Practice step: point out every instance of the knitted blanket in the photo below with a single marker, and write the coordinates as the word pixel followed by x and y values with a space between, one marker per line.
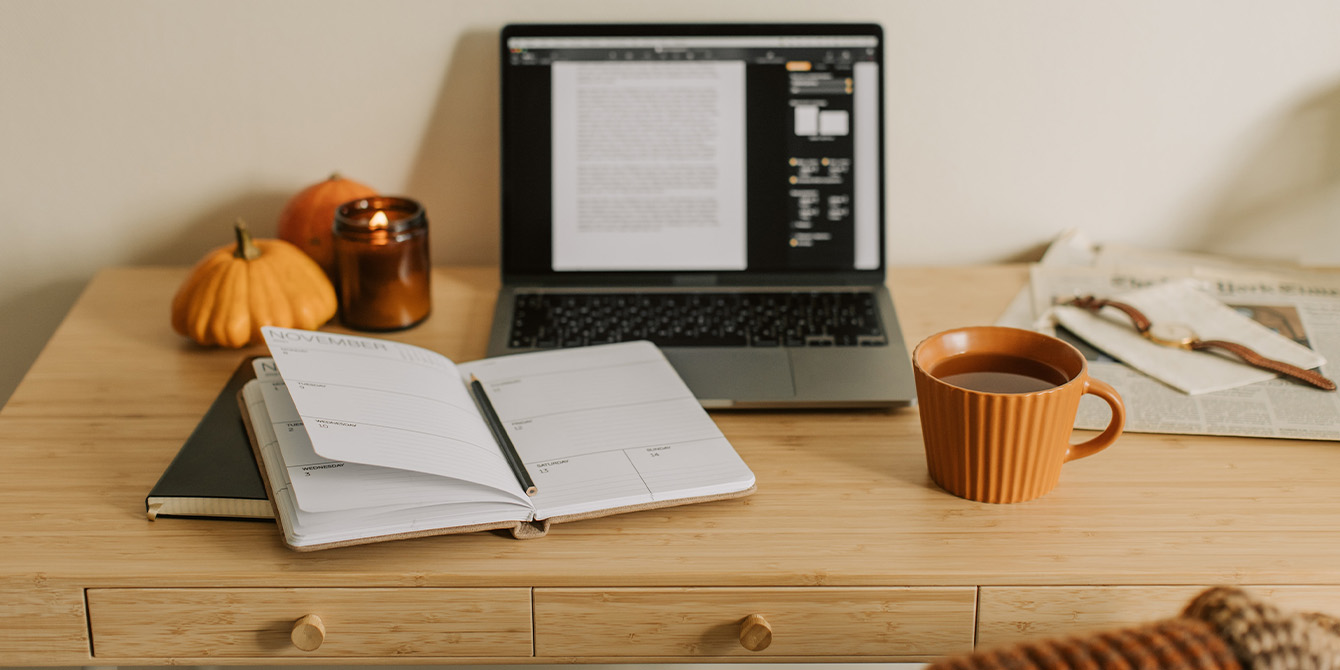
pixel 1221 629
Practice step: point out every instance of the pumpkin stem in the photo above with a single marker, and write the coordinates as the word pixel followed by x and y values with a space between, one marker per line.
pixel 246 249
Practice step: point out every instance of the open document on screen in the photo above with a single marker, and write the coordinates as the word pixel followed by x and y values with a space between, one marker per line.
pixel 715 189
pixel 649 165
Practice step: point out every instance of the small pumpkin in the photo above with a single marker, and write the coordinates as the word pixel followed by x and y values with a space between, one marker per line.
pixel 307 217
pixel 237 288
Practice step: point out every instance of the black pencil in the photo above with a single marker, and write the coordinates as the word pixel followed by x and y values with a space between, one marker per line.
pixel 500 433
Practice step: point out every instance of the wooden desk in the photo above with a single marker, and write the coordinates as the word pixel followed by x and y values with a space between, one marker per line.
pixel 848 550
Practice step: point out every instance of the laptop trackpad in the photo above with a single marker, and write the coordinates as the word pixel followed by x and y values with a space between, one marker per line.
pixel 733 374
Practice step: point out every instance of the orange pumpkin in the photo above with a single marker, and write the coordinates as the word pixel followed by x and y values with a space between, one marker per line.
pixel 237 288
pixel 306 219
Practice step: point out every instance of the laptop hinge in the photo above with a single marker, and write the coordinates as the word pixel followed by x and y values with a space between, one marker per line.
pixel 694 280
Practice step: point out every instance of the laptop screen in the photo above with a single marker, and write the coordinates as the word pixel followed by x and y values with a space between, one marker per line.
pixel 721 149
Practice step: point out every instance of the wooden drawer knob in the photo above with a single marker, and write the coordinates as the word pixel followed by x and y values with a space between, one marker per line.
pixel 755 633
pixel 308 633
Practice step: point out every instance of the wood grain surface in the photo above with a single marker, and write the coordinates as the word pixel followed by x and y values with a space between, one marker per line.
pixel 844 499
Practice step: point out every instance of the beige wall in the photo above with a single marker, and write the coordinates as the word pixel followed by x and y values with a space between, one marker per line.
pixel 135 131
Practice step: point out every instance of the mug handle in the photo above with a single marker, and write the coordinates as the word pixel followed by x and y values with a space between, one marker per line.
pixel 1114 427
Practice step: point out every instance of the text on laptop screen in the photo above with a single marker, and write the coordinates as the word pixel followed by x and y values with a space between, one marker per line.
pixel 714 153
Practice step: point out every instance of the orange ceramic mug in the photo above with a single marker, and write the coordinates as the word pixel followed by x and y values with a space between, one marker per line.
pixel 997 409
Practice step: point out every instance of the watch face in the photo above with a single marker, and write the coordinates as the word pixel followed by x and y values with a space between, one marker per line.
pixel 1174 334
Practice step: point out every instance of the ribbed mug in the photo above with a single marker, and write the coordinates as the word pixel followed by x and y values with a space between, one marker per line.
pixel 997 409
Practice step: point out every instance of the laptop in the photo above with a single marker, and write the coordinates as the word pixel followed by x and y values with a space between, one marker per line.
pixel 717 189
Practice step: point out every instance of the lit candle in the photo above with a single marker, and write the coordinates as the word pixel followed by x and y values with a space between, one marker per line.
pixel 382 263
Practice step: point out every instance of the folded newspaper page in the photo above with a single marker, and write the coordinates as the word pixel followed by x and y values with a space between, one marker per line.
pixel 1298 303
pixel 1183 302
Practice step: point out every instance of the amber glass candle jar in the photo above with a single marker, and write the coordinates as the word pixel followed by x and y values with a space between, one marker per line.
pixel 382 264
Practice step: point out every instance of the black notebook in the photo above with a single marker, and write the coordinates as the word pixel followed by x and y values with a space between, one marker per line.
pixel 214 474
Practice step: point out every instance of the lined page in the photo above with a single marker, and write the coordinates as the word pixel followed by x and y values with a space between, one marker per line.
pixel 388 404
pixel 607 426
pixel 305 529
pixel 321 484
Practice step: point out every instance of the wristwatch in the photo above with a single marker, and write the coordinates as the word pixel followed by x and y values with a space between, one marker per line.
pixel 1182 336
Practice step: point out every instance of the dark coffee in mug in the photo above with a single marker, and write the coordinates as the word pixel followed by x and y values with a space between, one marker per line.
pixel 998 373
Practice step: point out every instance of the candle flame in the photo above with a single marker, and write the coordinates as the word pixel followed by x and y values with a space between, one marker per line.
pixel 378 220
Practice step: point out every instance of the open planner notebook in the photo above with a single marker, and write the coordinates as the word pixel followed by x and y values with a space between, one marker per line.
pixel 364 440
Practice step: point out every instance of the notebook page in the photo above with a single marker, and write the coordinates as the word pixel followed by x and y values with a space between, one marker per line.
pixel 321 485
pixel 304 529
pixel 388 404
pixel 607 426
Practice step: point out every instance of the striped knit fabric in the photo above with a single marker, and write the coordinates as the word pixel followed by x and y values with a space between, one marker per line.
pixel 1222 629
pixel 1175 644
pixel 1264 637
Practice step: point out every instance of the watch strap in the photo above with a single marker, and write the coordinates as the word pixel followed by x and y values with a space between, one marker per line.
pixel 1248 356
pixel 1091 303
pixel 1253 358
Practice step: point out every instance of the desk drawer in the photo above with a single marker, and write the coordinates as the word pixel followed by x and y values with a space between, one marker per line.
pixel 692 622
pixel 160 623
pixel 1014 614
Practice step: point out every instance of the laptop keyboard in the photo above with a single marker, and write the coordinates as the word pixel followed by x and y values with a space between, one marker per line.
pixel 744 319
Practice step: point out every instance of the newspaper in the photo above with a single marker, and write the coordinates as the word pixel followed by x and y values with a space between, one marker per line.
pixel 1301 304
